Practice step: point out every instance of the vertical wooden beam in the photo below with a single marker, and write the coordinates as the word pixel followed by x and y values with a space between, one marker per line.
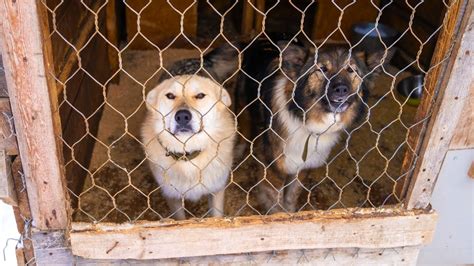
pixel 112 36
pixel 443 123
pixel 260 5
pixel 433 81
pixel 247 17
pixel 27 62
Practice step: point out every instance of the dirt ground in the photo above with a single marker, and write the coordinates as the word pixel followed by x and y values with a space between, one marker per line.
pixel 361 170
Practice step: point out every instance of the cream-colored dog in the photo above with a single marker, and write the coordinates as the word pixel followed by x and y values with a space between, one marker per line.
pixel 189 135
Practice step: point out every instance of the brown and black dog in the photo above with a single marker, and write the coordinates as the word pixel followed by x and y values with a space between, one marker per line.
pixel 305 100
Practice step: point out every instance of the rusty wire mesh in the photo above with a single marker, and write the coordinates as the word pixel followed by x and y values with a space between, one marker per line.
pixel 364 169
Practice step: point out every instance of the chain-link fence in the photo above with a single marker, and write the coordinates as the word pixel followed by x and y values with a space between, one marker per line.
pixel 156 124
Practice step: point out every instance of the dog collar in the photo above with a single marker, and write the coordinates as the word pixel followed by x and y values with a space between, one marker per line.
pixel 183 156
pixel 304 156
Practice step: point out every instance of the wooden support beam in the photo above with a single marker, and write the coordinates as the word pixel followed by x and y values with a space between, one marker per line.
pixel 454 23
pixel 28 64
pixel 248 16
pixel 445 118
pixel 112 36
pixel 347 228
pixel 260 5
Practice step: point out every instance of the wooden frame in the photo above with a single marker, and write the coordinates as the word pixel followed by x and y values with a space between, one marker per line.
pixel 453 97
pixel 29 61
pixel 348 228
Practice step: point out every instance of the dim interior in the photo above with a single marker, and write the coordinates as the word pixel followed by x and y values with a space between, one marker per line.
pixel 103 80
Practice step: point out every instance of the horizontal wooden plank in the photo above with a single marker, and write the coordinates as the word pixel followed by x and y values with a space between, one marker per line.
pixel 345 256
pixel 345 228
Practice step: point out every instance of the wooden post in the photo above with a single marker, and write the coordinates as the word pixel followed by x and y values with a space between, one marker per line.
pixel 28 63
pixel 247 17
pixel 112 36
pixel 443 124
pixel 433 81
pixel 259 17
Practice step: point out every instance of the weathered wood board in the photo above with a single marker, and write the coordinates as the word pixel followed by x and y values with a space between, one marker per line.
pixel 445 119
pixel 26 65
pixel 348 228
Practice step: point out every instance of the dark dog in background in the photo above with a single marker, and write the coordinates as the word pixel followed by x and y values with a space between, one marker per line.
pixel 307 99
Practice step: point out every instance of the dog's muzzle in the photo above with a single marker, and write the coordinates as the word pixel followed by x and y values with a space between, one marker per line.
pixel 183 121
pixel 339 97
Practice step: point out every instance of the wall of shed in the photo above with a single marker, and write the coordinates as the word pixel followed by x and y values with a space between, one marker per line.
pixel 453 198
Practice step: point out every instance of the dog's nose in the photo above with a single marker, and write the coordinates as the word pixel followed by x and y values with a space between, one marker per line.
pixel 183 117
pixel 338 92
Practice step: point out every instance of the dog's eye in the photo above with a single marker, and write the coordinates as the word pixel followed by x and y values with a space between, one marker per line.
pixel 349 69
pixel 200 95
pixel 170 96
pixel 323 69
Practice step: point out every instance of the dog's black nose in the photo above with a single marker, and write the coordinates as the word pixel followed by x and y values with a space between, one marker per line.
pixel 183 117
pixel 338 92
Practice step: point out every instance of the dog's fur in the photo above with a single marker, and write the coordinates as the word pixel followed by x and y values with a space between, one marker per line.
pixel 210 132
pixel 299 120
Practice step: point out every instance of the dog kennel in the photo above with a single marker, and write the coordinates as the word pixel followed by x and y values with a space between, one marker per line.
pixel 77 75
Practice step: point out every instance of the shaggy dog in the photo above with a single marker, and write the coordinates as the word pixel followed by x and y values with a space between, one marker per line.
pixel 306 100
pixel 188 134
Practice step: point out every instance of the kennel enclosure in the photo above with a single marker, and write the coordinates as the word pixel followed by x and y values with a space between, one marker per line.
pixel 60 68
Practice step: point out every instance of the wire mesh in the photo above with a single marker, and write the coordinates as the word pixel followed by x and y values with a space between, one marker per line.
pixel 108 160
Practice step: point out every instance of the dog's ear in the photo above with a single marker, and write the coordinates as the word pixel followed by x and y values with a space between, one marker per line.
pixel 223 61
pixel 151 99
pixel 293 57
pixel 375 59
pixel 225 97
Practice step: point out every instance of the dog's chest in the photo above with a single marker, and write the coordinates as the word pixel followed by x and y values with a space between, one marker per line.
pixel 191 180
pixel 303 153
